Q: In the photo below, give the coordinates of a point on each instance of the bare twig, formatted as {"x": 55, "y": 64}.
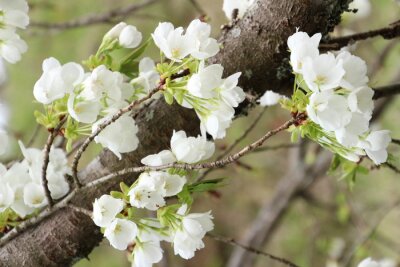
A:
{"x": 390, "y": 32}
{"x": 232, "y": 242}
{"x": 87, "y": 212}
{"x": 46, "y": 160}
{"x": 110, "y": 16}
{"x": 100, "y": 128}
{"x": 392, "y": 167}
{"x": 396, "y": 141}
{"x": 34, "y": 136}
{"x": 234, "y": 144}
{"x": 386, "y": 91}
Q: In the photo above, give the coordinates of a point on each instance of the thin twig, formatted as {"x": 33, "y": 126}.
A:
{"x": 234, "y": 144}
{"x": 390, "y": 32}
{"x": 87, "y": 212}
{"x": 34, "y": 136}
{"x": 100, "y": 128}
{"x": 232, "y": 242}
{"x": 214, "y": 164}
{"x": 386, "y": 91}
{"x": 46, "y": 160}
{"x": 392, "y": 167}
{"x": 109, "y": 16}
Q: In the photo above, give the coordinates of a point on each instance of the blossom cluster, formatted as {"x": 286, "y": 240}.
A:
{"x": 92, "y": 97}
{"x": 333, "y": 91}
{"x": 13, "y": 16}
{"x": 124, "y": 229}
{"x": 205, "y": 90}
{"x": 21, "y": 187}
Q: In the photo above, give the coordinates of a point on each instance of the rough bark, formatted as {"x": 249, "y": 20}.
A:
{"x": 254, "y": 45}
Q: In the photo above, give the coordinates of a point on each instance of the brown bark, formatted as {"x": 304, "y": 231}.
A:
{"x": 255, "y": 45}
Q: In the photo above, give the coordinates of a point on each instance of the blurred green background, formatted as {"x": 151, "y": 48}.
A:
{"x": 307, "y": 232}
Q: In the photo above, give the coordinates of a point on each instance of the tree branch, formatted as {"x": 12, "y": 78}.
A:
{"x": 387, "y": 91}
{"x": 390, "y": 32}
{"x": 109, "y": 16}
{"x": 46, "y": 160}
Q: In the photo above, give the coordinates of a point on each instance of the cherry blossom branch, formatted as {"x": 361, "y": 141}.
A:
{"x": 101, "y": 127}
{"x": 232, "y": 242}
{"x": 387, "y": 91}
{"x": 214, "y": 164}
{"x": 118, "y": 13}
{"x": 46, "y": 160}
{"x": 389, "y": 32}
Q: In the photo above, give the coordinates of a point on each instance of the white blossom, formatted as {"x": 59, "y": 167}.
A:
{"x": 363, "y": 8}
{"x": 6, "y": 196}
{"x": 302, "y": 46}
{"x": 172, "y": 42}
{"x": 349, "y": 135}
{"x": 375, "y": 145}
{"x": 34, "y": 195}
{"x": 57, "y": 80}
{"x": 159, "y": 159}
{"x": 102, "y": 83}
{"x": 188, "y": 238}
{"x": 240, "y": 5}
{"x": 191, "y": 149}
{"x": 232, "y": 94}
{"x": 217, "y": 122}
{"x": 146, "y": 252}
{"x": 323, "y": 72}
{"x": 329, "y": 110}
{"x": 11, "y": 46}
{"x": 120, "y": 136}
{"x": 130, "y": 37}
{"x": 105, "y": 209}
{"x": 270, "y": 98}
{"x": 149, "y": 192}
{"x": 148, "y": 76}
{"x": 85, "y": 111}
{"x": 205, "y": 46}
{"x": 361, "y": 101}
{"x": 205, "y": 81}
{"x": 115, "y": 31}
{"x": 355, "y": 71}
{"x": 120, "y": 233}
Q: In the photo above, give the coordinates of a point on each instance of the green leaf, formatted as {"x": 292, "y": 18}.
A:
{"x": 205, "y": 186}
{"x": 185, "y": 197}
{"x": 169, "y": 98}
{"x": 124, "y": 188}
{"x": 117, "y": 194}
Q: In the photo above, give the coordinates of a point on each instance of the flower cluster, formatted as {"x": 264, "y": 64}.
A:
{"x": 13, "y": 16}
{"x": 126, "y": 230}
{"x": 333, "y": 91}
{"x": 92, "y": 97}
{"x": 211, "y": 96}
{"x": 21, "y": 187}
